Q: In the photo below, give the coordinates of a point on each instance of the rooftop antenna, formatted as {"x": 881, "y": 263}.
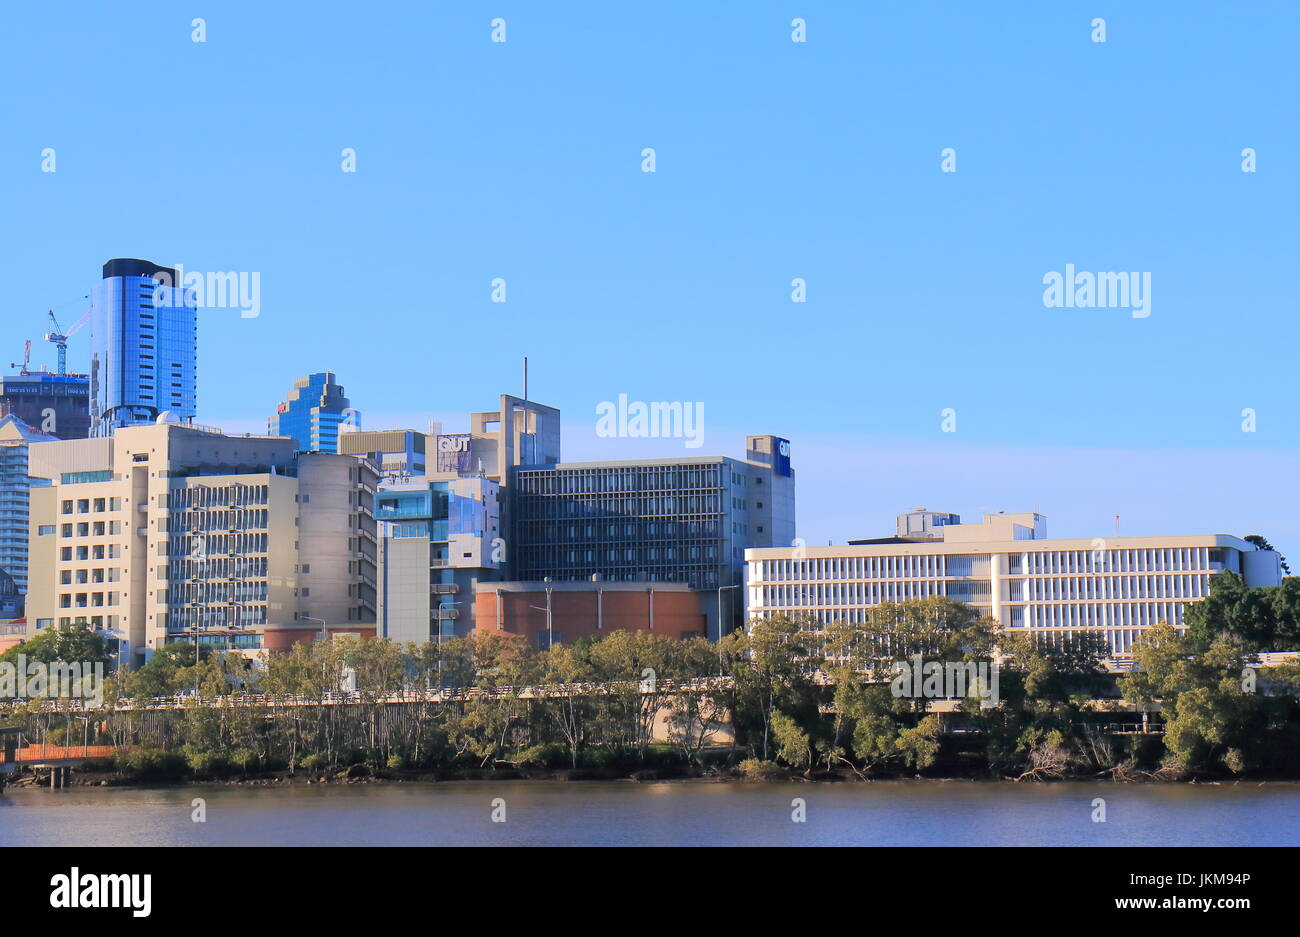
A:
{"x": 1116, "y": 525}
{"x": 527, "y": 460}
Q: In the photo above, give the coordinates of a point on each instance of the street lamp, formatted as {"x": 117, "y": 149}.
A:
{"x": 324, "y": 636}
{"x": 325, "y": 660}
{"x": 720, "y": 588}
{"x": 195, "y": 615}
{"x": 550, "y": 633}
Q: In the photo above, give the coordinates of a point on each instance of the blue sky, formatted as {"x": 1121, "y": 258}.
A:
{"x": 775, "y": 160}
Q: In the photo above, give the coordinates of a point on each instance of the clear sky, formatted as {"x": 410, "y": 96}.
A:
{"x": 774, "y": 160}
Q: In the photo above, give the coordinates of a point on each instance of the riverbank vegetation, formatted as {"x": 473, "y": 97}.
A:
{"x": 802, "y": 700}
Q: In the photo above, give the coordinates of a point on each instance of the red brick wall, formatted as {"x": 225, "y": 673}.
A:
{"x": 676, "y": 614}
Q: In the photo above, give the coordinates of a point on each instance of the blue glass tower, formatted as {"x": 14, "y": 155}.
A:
{"x": 313, "y": 413}
{"x": 143, "y": 346}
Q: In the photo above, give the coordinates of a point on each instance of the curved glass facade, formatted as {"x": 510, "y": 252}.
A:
{"x": 143, "y": 347}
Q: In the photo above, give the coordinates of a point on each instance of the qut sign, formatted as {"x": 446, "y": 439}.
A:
{"x": 781, "y": 464}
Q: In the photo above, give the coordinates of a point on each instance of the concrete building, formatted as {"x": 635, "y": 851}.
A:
{"x": 685, "y": 520}
{"x": 580, "y": 609}
{"x": 443, "y": 512}
{"x": 15, "y": 484}
{"x": 519, "y": 432}
{"x": 440, "y": 536}
{"x": 398, "y": 454}
{"x": 57, "y": 404}
{"x": 166, "y": 532}
{"x": 315, "y": 413}
{"x": 1006, "y": 567}
{"x": 143, "y": 346}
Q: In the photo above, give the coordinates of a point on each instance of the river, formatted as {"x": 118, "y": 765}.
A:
{"x": 691, "y": 813}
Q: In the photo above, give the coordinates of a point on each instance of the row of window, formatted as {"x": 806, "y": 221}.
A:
{"x": 633, "y": 478}
{"x": 207, "y": 496}
{"x": 84, "y": 576}
{"x": 98, "y": 622}
{"x": 88, "y": 599}
{"x": 98, "y": 551}
{"x": 216, "y": 519}
{"x": 599, "y": 507}
{"x": 85, "y": 529}
{"x": 90, "y": 505}
{"x": 210, "y": 618}
{"x": 634, "y": 531}
{"x": 218, "y": 592}
{"x": 1048, "y": 563}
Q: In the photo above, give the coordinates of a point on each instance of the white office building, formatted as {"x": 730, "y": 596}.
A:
{"x": 1006, "y": 567}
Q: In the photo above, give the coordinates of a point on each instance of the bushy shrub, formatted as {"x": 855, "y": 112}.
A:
{"x": 756, "y": 769}
{"x": 316, "y": 761}
{"x": 152, "y": 764}
{"x": 597, "y": 758}
{"x": 244, "y": 760}
{"x": 208, "y": 764}
{"x": 545, "y": 755}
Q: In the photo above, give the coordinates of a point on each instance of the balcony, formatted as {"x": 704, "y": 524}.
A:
{"x": 413, "y": 511}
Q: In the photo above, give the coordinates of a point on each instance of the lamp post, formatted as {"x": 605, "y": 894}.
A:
{"x": 195, "y": 614}
{"x": 324, "y": 636}
{"x": 550, "y": 633}
{"x": 325, "y": 651}
{"x": 720, "y": 588}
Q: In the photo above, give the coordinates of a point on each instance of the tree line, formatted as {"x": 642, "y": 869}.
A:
{"x": 799, "y": 696}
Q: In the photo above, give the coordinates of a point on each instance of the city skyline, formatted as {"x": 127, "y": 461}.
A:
{"x": 925, "y": 289}
{"x": 728, "y": 424}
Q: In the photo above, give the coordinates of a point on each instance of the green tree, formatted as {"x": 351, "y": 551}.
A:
{"x": 772, "y": 667}
{"x": 71, "y": 644}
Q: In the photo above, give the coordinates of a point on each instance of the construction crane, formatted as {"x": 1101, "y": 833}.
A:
{"x": 59, "y": 339}
{"x": 27, "y": 358}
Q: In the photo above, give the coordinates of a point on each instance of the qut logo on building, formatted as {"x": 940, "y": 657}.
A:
{"x": 233, "y": 290}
